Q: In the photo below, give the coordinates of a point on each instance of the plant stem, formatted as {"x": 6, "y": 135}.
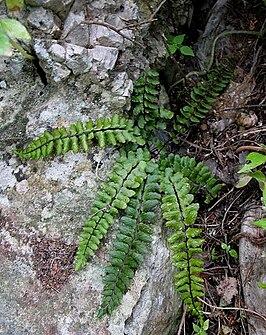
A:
{"x": 21, "y": 50}
{"x": 229, "y": 32}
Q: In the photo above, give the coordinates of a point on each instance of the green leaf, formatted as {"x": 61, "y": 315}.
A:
{"x": 179, "y": 39}
{"x": 260, "y": 223}
{"x": 14, "y": 29}
{"x": 172, "y": 48}
{"x": 243, "y": 181}
{"x": 233, "y": 253}
{"x": 258, "y": 175}
{"x": 5, "y": 47}
{"x": 225, "y": 247}
{"x": 262, "y": 285}
{"x": 14, "y": 5}
{"x": 166, "y": 113}
{"x": 256, "y": 159}
{"x": 187, "y": 51}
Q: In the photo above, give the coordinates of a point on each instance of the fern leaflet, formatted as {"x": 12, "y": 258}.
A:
{"x": 180, "y": 213}
{"x": 131, "y": 243}
{"x": 105, "y": 131}
{"x": 126, "y": 176}
{"x": 203, "y": 95}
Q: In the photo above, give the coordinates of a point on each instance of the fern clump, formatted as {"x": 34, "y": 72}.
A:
{"x": 140, "y": 179}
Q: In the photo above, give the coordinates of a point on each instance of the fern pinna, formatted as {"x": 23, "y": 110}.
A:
{"x": 203, "y": 95}
{"x": 105, "y": 131}
{"x": 180, "y": 213}
{"x": 139, "y": 180}
{"x": 127, "y": 176}
{"x": 131, "y": 243}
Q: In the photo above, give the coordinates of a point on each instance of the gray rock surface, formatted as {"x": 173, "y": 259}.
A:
{"x": 252, "y": 267}
{"x": 43, "y": 204}
{"x": 44, "y": 20}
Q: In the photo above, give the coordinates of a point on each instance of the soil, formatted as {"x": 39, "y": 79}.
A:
{"x": 235, "y": 127}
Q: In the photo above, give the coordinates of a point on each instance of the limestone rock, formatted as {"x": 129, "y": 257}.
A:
{"x": 252, "y": 268}
{"x": 75, "y": 32}
{"x": 44, "y": 20}
{"x": 59, "y": 7}
{"x": 43, "y": 204}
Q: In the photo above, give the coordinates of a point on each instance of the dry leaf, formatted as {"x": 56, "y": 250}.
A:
{"x": 227, "y": 289}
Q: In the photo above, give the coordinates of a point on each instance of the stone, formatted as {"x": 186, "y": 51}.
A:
{"x": 74, "y": 32}
{"x": 57, "y": 52}
{"x": 106, "y": 57}
{"x": 59, "y": 7}
{"x": 78, "y": 59}
{"x": 100, "y": 35}
{"x": 44, "y": 20}
{"x": 253, "y": 270}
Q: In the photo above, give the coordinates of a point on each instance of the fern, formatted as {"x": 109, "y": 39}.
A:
{"x": 126, "y": 176}
{"x": 199, "y": 175}
{"x": 105, "y": 131}
{"x": 131, "y": 244}
{"x": 137, "y": 183}
{"x": 180, "y": 213}
{"x": 148, "y": 113}
{"x": 203, "y": 95}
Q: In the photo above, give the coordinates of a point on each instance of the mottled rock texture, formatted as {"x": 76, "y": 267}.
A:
{"x": 252, "y": 267}
{"x": 82, "y": 71}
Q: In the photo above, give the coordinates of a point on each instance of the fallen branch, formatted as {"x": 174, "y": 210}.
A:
{"x": 235, "y": 309}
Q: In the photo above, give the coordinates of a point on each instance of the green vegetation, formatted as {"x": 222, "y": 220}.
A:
{"x": 12, "y": 30}
{"x": 140, "y": 180}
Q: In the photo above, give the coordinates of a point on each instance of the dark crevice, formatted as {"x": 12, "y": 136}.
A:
{"x": 40, "y": 71}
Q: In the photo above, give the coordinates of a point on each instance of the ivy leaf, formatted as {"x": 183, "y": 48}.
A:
{"x": 14, "y": 29}
{"x": 243, "y": 181}
{"x": 14, "y": 5}
{"x": 187, "y": 51}
{"x": 256, "y": 159}
{"x": 5, "y": 49}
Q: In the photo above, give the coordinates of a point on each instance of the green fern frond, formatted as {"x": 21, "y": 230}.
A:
{"x": 114, "y": 130}
{"x": 199, "y": 175}
{"x": 203, "y": 96}
{"x": 125, "y": 178}
{"x": 180, "y": 213}
{"x": 131, "y": 244}
{"x": 149, "y": 115}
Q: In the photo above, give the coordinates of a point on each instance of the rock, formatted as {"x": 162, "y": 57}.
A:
{"x": 44, "y": 20}
{"x": 44, "y": 203}
{"x": 77, "y": 58}
{"x": 57, "y": 6}
{"x": 74, "y": 32}
{"x": 253, "y": 270}
{"x": 104, "y": 56}
{"x": 103, "y": 36}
